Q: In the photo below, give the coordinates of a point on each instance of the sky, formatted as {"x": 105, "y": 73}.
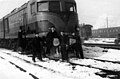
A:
{"x": 6, "y": 6}
{"x": 94, "y": 12}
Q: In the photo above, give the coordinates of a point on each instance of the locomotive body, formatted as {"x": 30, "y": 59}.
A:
{"x": 1, "y": 29}
{"x": 13, "y": 21}
{"x": 38, "y": 16}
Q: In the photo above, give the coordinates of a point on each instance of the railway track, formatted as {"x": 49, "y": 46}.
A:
{"x": 31, "y": 63}
{"x": 111, "y": 46}
{"x": 105, "y": 72}
{"x": 115, "y": 62}
{"x": 34, "y": 77}
{"x": 74, "y": 64}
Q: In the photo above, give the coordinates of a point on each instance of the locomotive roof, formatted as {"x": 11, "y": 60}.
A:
{"x": 55, "y": 0}
{"x": 25, "y": 5}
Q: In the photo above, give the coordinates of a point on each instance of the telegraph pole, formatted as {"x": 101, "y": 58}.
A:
{"x": 107, "y": 21}
{"x": 107, "y": 25}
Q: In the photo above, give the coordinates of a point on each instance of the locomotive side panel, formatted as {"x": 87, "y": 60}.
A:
{"x": 6, "y": 26}
{"x": 1, "y": 29}
{"x": 15, "y": 20}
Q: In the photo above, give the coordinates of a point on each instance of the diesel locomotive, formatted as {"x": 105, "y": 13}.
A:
{"x": 38, "y": 16}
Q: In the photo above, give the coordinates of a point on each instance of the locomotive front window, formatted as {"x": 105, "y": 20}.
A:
{"x": 71, "y": 7}
{"x": 43, "y": 6}
{"x": 54, "y": 6}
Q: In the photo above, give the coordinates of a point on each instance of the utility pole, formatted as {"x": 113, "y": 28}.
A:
{"x": 107, "y": 25}
{"x": 107, "y": 21}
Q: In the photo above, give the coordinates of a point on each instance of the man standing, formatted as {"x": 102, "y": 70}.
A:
{"x": 64, "y": 52}
{"x": 50, "y": 37}
{"x": 20, "y": 39}
{"x": 77, "y": 46}
{"x": 37, "y": 47}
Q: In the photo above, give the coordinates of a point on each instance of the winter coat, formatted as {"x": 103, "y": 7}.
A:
{"x": 36, "y": 43}
{"x": 50, "y": 37}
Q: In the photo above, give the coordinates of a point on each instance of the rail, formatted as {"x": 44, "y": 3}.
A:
{"x": 112, "y": 46}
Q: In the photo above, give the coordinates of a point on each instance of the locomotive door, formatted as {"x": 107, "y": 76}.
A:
{"x": 6, "y": 27}
{"x": 24, "y": 22}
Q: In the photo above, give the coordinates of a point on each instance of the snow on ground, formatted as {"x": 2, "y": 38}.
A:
{"x": 101, "y": 40}
{"x": 62, "y": 69}
{"x": 101, "y": 53}
{"x": 59, "y": 70}
{"x": 112, "y": 55}
{"x": 99, "y": 64}
{"x": 8, "y": 71}
{"x": 41, "y": 73}
{"x": 91, "y": 52}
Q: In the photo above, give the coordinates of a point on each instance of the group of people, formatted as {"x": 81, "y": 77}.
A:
{"x": 41, "y": 47}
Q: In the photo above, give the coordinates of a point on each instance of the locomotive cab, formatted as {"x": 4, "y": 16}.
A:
{"x": 59, "y": 13}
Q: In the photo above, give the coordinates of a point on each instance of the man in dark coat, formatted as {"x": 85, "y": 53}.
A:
{"x": 20, "y": 38}
{"x": 37, "y": 47}
{"x": 50, "y": 37}
{"x": 78, "y": 46}
{"x": 64, "y": 52}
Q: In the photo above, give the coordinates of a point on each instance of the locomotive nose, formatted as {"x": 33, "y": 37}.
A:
{"x": 43, "y": 26}
{"x": 65, "y": 16}
{"x": 69, "y": 20}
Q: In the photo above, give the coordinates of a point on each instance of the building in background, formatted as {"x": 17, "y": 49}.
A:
{"x": 111, "y": 32}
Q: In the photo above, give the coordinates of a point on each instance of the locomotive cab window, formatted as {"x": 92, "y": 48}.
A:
{"x": 71, "y": 7}
{"x": 42, "y": 6}
{"x": 54, "y": 6}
